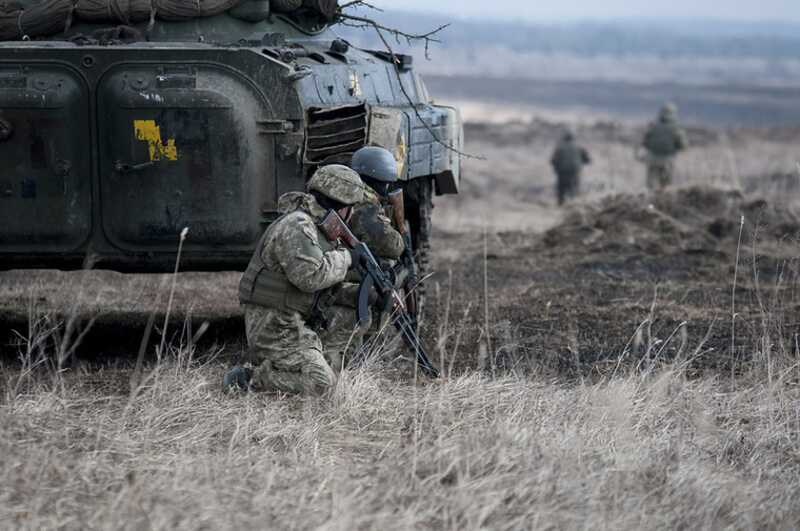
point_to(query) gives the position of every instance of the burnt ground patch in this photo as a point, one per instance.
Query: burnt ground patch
(626, 282)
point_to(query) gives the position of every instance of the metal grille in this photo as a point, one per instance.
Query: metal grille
(334, 133)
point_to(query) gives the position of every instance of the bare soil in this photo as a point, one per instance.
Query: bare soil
(631, 277)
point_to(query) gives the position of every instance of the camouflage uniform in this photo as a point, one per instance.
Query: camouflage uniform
(291, 351)
(568, 161)
(662, 141)
(370, 224)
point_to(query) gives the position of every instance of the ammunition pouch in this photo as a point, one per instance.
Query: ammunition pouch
(319, 320)
(272, 289)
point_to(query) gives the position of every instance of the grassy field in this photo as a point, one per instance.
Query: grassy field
(629, 362)
(644, 450)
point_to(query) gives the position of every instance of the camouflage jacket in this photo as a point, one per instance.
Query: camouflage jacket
(664, 139)
(294, 245)
(371, 225)
(569, 157)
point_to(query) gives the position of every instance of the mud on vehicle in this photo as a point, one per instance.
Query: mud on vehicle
(124, 127)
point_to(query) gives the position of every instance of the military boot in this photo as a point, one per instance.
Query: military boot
(237, 379)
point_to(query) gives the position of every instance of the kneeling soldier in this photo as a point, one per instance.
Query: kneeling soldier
(291, 271)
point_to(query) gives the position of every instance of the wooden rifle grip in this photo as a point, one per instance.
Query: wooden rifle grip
(398, 210)
(334, 228)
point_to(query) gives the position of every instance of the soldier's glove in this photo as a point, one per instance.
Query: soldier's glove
(389, 271)
(356, 256)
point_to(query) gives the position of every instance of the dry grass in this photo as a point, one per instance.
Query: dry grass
(514, 188)
(643, 447)
(652, 451)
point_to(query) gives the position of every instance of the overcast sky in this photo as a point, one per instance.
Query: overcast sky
(751, 10)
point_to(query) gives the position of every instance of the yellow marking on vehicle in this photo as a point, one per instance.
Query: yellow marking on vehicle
(400, 154)
(148, 131)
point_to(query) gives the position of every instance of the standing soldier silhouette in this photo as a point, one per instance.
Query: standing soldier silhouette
(568, 161)
(662, 141)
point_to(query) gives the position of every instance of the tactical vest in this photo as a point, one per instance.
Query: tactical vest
(271, 289)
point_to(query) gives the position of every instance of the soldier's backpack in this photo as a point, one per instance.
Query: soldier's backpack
(662, 140)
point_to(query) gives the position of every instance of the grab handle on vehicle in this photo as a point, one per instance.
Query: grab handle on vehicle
(126, 167)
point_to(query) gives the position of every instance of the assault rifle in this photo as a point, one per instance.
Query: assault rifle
(407, 258)
(373, 276)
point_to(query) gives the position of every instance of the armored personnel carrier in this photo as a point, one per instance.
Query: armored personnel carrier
(122, 124)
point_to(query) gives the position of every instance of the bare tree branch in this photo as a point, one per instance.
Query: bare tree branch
(364, 22)
(358, 3)
(428, 37)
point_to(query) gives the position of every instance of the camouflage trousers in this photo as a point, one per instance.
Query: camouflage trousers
(291, 357)
(567, 186)
(343, 337)
(660, 171)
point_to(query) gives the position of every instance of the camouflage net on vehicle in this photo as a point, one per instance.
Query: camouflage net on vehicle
(44, 18)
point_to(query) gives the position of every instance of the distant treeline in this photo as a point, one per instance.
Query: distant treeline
(668, 39)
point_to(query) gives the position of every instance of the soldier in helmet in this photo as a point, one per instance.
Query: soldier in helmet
(293, 270)
(377, 168)
(568, 160)
(662, 142)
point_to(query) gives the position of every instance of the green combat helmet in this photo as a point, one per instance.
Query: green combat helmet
(668, 112)
(338, 182)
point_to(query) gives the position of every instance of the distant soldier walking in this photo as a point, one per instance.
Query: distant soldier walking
(568, 161)
(662, 142)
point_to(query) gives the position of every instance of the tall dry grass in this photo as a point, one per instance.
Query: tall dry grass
(639, 451)
(160, 446)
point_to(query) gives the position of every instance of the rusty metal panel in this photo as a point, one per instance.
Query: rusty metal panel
(389, 128)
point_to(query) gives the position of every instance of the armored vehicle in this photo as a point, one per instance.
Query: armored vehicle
(121, 125)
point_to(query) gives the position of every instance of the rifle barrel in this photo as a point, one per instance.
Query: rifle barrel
(412, 340)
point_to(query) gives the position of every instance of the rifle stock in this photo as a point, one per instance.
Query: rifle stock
(334, 228)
